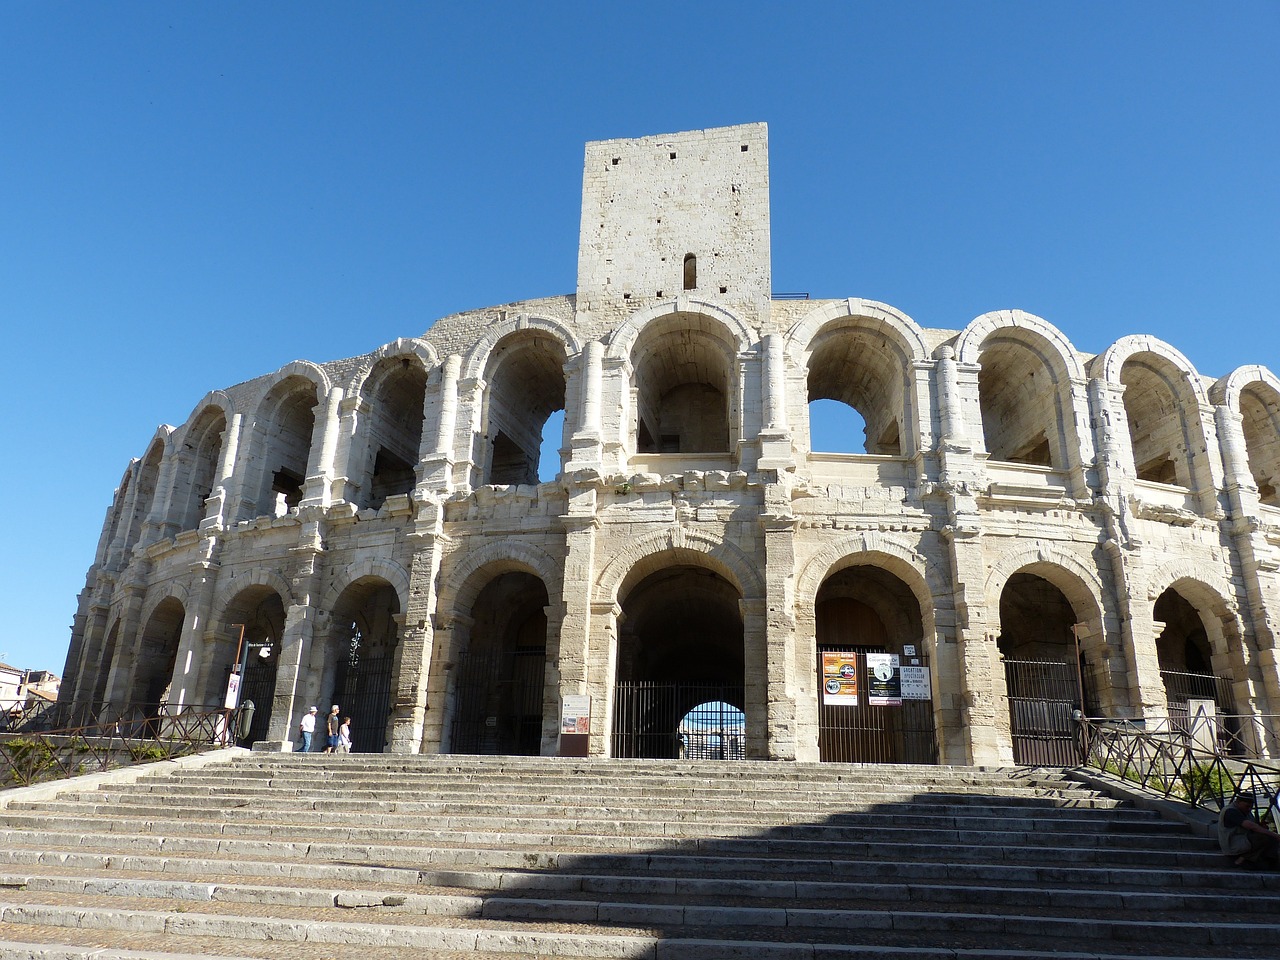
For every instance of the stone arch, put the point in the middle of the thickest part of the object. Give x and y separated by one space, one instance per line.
1030 391
229 589
279 445
969 344
901 328
379 568
1108 365
173 590
525 385
926 579
467 578
381 454
219 399
622 339
694 548
476 360
156 648
198 447
861 355
1252 393
1081 584
413 347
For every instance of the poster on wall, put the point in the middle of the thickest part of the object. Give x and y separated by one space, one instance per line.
839 679
575 714
884 680
915 683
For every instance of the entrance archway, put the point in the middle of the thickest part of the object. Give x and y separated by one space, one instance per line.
1045 674
360 657
500 680
1187 663
680 646
867 618
157 652
261 611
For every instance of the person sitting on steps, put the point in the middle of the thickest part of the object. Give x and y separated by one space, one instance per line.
1244 838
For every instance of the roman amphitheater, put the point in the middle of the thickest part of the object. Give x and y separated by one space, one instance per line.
1025 531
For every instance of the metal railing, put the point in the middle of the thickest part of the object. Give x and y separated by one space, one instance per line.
118 738
1201 760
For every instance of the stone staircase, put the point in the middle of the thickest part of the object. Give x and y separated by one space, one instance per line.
338 857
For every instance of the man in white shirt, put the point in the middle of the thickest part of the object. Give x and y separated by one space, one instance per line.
307 727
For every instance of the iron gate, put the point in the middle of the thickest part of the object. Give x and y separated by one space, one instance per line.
670 721
259 686
363 693
497 708
1180 687
866 733
1042 695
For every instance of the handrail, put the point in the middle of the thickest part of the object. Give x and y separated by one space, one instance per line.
121 737
1201 760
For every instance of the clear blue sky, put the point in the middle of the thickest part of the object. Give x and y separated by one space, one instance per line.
192 195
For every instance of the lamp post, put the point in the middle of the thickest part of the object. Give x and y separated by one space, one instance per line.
236 680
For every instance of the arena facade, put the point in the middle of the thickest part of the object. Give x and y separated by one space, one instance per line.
1031 530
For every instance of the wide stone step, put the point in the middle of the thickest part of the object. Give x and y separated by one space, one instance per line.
729 927
594 833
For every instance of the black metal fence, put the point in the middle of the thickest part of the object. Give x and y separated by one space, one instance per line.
128 734
868 732
1043 696
669 721
497 703
364 695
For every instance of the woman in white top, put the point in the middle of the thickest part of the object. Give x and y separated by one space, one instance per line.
344 736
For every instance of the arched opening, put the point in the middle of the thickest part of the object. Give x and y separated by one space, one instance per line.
103 666
396 391
836 427
526 386
1020 404
874 686
156 656
200 454
144 495
1260 413
713 730
864 371
360 660
283 431
1158 430
499 682
1186 657
690 272
680 644
260 611
683 385
549 451
1046 676
114 547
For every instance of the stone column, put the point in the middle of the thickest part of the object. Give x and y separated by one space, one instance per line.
158 525
410 700
124 663
775 437
759 685
435 472
186 682
784 741
586 440
576 645
320 467
295 642
352 452
220 507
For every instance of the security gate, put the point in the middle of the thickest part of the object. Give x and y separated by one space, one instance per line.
363 693
1180 687
259 686
672 721
1042 695
863 732
498 703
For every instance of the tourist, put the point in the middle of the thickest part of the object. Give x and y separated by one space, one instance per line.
331 725
307 727
344 736
1243 837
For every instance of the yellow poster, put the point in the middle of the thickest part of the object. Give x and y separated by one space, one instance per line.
839 678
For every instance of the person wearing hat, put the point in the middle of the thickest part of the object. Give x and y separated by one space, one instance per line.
332 722
307 727
1243 837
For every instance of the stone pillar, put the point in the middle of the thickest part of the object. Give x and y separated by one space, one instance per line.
295 642
586 440
759 684
158 525
779 627
352 453
186 682
950 409
218 508
579 673
410 703
775 437
435 472
120 682
320 467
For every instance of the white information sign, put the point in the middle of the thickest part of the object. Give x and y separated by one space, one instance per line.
233 692
575 714
915 683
